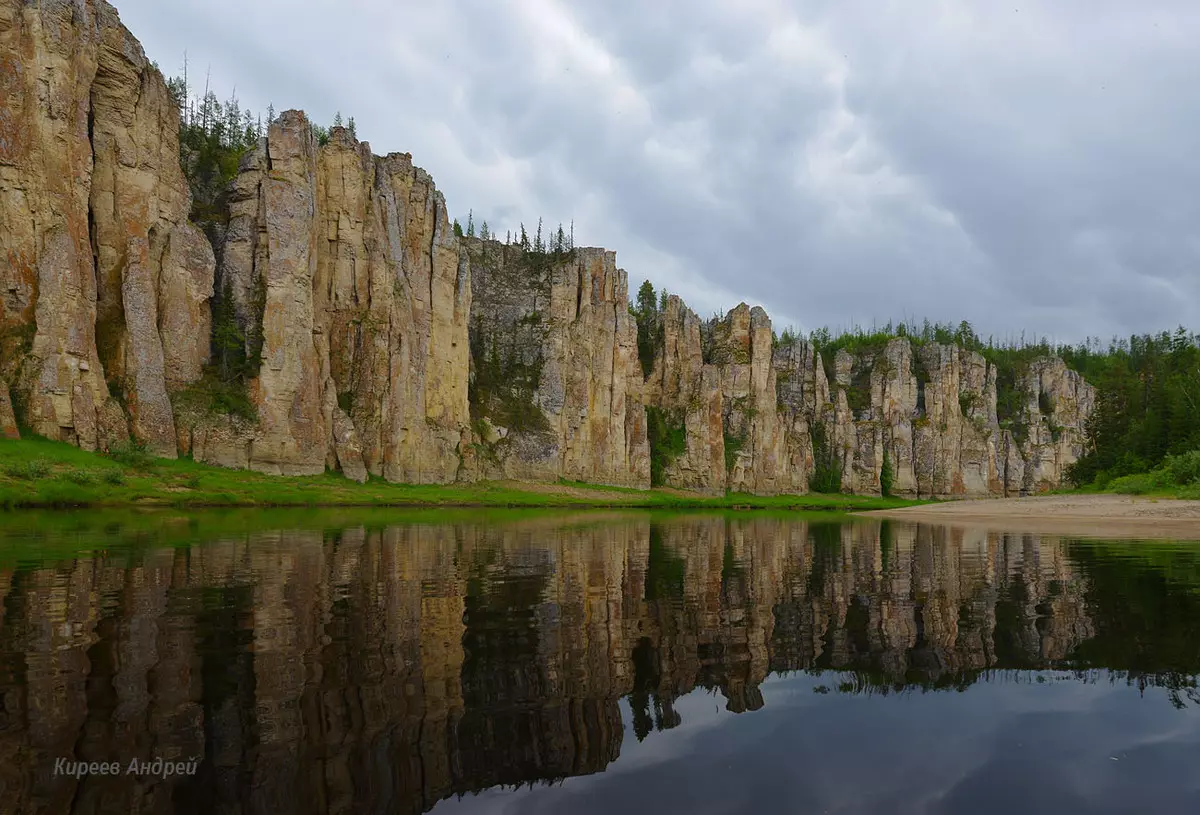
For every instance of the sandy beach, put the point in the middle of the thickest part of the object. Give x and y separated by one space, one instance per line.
1104 516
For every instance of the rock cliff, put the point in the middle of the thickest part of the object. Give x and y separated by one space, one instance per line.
347 285
554 369
100 259
378 342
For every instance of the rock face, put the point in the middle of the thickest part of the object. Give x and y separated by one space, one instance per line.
556 381
8 420
379 343
347 284
93 218
689 392
930 413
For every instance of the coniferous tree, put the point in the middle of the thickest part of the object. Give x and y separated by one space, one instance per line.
353 130
538 246
337 119
524 238
483 231
471 223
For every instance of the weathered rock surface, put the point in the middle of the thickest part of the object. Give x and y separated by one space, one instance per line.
91 196
346 279
689 391
8 420
554 363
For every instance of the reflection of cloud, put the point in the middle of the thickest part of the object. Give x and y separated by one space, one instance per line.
1025 169
998 747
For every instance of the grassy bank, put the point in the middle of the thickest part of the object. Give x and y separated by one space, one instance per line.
1177 477
39 473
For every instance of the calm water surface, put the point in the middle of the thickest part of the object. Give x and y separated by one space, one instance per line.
593 663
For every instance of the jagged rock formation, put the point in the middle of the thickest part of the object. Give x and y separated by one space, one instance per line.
380 343
93 213
690 392
346 280
931 411
557 385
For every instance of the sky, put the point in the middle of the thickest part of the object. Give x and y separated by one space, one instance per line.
1029 168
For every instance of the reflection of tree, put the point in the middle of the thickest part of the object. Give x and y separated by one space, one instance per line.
651 710
1145 608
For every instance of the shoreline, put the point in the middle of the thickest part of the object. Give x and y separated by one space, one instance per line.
1088 515
40 474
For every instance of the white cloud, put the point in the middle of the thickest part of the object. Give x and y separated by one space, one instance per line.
1022 168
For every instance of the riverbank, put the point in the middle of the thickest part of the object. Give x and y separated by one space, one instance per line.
1090 515
35 473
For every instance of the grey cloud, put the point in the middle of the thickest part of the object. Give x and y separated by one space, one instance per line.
1025 169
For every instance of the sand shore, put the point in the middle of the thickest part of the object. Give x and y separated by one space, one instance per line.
1103 516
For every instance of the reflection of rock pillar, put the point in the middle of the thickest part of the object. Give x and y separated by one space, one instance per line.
176 717
279 673
60 613
441 660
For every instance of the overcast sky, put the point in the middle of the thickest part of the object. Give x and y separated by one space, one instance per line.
1025 168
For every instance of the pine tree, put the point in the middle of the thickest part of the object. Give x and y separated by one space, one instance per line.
186 95
560 239
270 113
483 231
337 119
508 238
470 223
353 130
524 238
228 341
457 228
538 246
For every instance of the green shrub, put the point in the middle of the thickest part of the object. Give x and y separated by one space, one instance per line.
733 445
1183 469
887 476
132 454
217 395
826 476
1138 483
113 476
28 470
668 441
78 475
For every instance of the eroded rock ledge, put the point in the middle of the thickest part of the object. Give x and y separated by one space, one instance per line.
383 344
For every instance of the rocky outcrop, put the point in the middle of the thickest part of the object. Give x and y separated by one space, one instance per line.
1052 427
755 433
93 213
377 342
689 392
8 419
346 282
555 369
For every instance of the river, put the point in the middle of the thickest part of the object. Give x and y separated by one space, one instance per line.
592 662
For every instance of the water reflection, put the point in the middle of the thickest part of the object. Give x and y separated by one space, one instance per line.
385 669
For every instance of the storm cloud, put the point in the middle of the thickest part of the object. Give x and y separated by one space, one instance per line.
1026 169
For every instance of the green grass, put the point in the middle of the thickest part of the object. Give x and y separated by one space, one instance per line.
40 473
1177 477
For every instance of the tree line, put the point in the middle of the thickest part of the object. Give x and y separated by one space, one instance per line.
559 241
